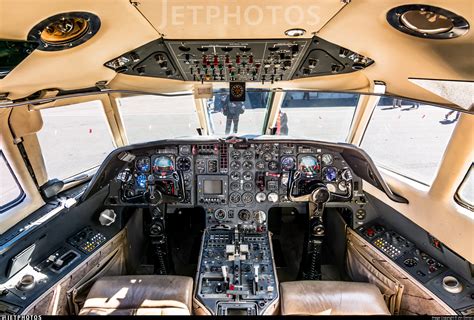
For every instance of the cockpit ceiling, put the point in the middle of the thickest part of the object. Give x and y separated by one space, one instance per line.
359 25
243 19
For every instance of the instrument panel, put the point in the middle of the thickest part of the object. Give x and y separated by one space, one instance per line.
237 183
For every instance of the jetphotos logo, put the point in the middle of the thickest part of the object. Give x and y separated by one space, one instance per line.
234 13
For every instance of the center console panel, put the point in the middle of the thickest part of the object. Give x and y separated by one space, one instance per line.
236 274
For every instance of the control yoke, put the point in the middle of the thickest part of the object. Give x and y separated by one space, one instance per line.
158 195
319 194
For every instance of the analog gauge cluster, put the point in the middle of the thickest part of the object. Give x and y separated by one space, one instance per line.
143 169
267 157
337 179
241 175
158 169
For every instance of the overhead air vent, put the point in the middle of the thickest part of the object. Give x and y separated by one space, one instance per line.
65 30
427 21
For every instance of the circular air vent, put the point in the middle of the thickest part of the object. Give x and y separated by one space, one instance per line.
65 30
427 22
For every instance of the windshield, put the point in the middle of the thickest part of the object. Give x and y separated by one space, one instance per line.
398 132
148 118
325 116
227 117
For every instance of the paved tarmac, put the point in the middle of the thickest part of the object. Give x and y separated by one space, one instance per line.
410 140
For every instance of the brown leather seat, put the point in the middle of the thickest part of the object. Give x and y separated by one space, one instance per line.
140 295
331 297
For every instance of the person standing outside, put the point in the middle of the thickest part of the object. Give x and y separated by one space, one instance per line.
232 111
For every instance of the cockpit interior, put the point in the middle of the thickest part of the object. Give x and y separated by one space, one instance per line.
236 157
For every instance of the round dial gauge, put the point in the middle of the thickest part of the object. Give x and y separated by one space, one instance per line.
235 154
237 90
267 147
259 217
247 198
234 175
235 186
267 156
248 186
184 150
247 176
220 214
273 197
247 165
141 181
273 166
248 155
309 165
235 165
327 159
331 187
342 186
183 164
244 215
260 165
124 175
330 174
287 163
260 197
143 164
163 164
234 197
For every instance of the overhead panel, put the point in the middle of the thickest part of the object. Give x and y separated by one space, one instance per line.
263 60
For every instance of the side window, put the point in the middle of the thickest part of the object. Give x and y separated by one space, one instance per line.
325 116
11 192
409 138
465 194
74 138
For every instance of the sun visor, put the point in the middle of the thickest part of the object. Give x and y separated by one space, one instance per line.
458 92
12 53
24 121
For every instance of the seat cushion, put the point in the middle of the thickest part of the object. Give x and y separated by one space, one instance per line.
331 297
140 295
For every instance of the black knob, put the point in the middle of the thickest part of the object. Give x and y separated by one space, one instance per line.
141 70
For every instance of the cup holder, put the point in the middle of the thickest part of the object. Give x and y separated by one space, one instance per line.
452 285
